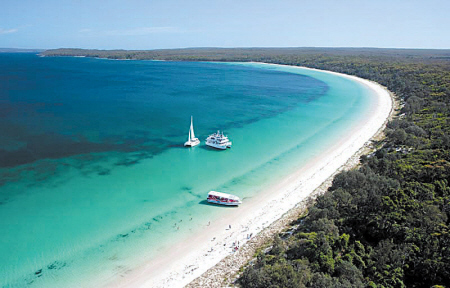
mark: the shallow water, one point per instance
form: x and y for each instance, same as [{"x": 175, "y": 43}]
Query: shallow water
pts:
[{"x": 94, "y": 177}]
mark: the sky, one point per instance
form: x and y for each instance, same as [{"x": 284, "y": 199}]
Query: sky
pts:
[{"x": 160, "y": 24}]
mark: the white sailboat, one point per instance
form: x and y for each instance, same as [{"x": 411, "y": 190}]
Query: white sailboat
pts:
[{"x": 192, "y": 141}]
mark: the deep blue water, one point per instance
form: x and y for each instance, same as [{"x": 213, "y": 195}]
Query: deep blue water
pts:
[{"x": 62, "y": 106}]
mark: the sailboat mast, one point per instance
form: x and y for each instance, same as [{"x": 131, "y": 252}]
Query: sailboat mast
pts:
[{"x": 191, "y": 131}]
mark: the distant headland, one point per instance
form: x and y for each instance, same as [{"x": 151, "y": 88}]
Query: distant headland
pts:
[{"x": 269, "y": 55}]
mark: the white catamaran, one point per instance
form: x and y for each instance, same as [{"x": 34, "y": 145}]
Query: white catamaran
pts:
[{"x": 192, "y": 141}]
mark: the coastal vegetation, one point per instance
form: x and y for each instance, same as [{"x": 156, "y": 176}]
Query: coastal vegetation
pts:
[{"x": 385, "y": 224}]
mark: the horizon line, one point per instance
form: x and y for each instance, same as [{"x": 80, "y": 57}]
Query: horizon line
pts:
[{"x": 241, "y": 47}]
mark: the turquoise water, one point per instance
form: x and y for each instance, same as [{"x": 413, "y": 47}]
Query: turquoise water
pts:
[{"x": 93, "y": 174}]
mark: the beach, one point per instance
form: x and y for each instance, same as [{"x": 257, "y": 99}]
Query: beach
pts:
[{"x": 227, "y": 237}]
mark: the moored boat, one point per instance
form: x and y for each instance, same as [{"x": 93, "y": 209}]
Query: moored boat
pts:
[
  {"x": 223, "y": 198},
  {"x": 218, "y": 141},
  {"x": 192, "y": 140}
]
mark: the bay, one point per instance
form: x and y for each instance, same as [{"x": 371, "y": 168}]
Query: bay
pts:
[{"x": 94, "y": 177}]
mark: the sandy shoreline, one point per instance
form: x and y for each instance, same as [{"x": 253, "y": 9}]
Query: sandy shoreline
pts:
[{"x": 189, "y": 260}]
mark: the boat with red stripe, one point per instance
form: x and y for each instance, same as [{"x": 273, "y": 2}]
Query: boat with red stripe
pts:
[{"x": 223, "y": 198}]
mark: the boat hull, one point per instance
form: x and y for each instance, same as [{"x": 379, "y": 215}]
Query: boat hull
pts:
[
  {"x": 223, "y": 203},
  {"x": 220, "y": 147},
  {"x": 192, "y": 143}
]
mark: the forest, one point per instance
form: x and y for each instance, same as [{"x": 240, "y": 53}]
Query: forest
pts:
[{"x": 385, "y": 223}]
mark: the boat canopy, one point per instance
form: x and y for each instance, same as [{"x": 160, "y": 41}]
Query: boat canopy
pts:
[{"x": 223, "y": 195}]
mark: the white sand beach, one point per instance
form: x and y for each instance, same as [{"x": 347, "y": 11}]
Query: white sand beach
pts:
[{"x": 190, "y": 259}]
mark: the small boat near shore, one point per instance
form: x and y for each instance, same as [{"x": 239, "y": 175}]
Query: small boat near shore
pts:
[
  {"x": 218, "y": 141},
  {"x": 223, "y": 199},
  {"x": 192, "y": 140}
]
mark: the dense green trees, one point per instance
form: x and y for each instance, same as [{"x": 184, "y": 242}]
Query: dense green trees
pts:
[{"x": 385, "y": 224}]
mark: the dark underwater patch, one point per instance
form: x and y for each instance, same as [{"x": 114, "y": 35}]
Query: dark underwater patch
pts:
[
  {"x": 56, "y": 265},
  {"x": 127, "y": 162},
  {"x": 186, "y": 188},
  {"x": 157, "y": 218},
  {"x": 195, "y": 195},
  {"x": 103, "y": 172},
  {"x": 53, "y": 146}
]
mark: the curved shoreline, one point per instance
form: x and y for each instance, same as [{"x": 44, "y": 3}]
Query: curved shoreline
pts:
[
  {"x": 230, "y": 265},
  {"x": 197, "y": 263}
]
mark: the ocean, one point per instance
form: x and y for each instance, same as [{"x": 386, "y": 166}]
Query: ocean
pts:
[{"x": 94, "y": 178}]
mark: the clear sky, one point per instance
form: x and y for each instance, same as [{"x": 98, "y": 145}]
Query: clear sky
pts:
[{"x": 153, "y": 24}]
